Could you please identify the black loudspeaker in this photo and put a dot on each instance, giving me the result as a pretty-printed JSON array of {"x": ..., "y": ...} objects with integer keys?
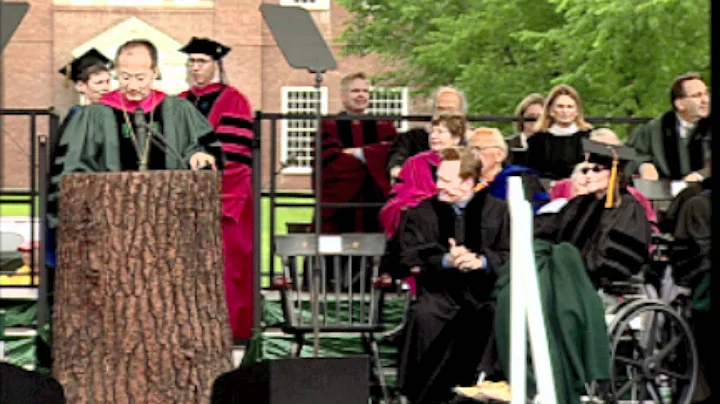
[{"x": 296, "y": 381}]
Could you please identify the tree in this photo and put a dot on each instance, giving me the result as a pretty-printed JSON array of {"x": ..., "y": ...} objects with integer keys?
[
  {"x": 140, "y": 313},
  {"x": 620, "y": 55}
]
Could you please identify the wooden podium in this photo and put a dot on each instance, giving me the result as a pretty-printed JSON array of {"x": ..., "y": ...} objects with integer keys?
[{"x": 140, "y": 313}]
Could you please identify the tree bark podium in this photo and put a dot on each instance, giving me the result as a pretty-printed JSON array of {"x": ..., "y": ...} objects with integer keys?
[{"x": 140, "y": 313}]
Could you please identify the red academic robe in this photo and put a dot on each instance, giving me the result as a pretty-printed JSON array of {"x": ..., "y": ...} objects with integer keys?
[
  {"x": 347, "y": 179},
  {"x": 230, "y": 114},
  {"x": 415, "y": 183}
]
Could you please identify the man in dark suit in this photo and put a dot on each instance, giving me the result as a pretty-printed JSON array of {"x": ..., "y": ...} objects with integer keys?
[{"x": 676, "y": 144}]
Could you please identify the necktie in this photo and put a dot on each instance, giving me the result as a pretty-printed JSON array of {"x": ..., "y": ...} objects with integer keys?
[{"x": 459, "y": 225}]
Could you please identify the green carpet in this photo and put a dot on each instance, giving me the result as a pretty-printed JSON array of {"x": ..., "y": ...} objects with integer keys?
[{"x": 272, "y": 343}]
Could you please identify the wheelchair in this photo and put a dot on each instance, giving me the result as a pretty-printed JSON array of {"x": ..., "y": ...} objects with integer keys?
[{"x": 653, "y": 351}]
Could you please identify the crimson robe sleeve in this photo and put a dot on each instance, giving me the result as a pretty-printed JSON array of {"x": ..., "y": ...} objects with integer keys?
[{"x": 234, "y": 127}]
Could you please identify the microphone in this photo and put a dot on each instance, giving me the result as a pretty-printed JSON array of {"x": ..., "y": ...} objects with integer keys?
[
  {"x": 158, "y": 139},
  {"x": 142, "y": 133}
]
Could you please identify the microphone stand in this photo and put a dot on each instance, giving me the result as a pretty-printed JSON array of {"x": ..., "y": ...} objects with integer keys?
[
  {"x": 142, "y": 133},
  {"x": 316, "y": 270},
  {"x": 158, "y": 139}
]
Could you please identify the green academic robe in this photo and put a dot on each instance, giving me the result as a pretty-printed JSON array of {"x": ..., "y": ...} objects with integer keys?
[
  {"x": 658, "y": 142},
  {"x": 574, "y": 319},
  {"x": 92, "y": 144}
]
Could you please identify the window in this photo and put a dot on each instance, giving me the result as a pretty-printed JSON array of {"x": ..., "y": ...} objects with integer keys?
[
  {"x": 307, "y": 4},
  {"x": 389, "y": 101},
  {"x": 298, "y": 134}
]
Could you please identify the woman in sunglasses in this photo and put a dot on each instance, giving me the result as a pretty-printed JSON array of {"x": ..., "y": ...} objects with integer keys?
[
  {"x": 604, "y": 221},
  {"x": 584, "y": 172}
]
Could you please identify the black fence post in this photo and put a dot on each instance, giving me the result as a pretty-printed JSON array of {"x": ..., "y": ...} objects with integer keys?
[{"x": 257, "y": 218}]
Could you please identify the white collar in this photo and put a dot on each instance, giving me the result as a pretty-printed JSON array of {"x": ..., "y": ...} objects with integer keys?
[{"x": 561, "y": 131}]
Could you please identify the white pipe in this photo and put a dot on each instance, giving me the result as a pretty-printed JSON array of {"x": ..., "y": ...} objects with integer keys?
[
  {"x": 524, "y": 289},
  {"x": 518, "y": 331}
]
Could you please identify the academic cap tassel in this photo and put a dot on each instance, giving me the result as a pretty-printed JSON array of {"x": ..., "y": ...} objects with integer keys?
[{"x": 612, "y": 187}]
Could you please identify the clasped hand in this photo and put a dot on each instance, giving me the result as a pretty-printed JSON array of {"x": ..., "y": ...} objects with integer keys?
[{"x": 463, "y": 259}]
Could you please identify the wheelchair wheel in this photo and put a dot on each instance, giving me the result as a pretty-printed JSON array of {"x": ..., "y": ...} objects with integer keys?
[{"x": 653, "y": 357}]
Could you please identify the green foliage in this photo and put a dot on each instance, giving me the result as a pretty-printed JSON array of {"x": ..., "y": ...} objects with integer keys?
[{"x": 621, "y": 55}]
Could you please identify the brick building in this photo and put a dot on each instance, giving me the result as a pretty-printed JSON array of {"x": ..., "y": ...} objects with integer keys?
[{"x": 55, "y": 31}]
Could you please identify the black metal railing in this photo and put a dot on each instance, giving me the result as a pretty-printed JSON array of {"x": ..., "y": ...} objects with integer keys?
[{"x": 34, "y": 197}]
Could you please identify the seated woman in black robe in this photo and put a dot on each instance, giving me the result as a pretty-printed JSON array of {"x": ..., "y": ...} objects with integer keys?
[
  {"x": 608, "y": 225},
  {"x": 555, "y": 149}
]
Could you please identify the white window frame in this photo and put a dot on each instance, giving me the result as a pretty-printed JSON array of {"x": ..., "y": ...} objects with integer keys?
[
  {"x": 404, "y": 125},
  {"x": 286, "y": 91},
  {"x": 313, "y": 5}
]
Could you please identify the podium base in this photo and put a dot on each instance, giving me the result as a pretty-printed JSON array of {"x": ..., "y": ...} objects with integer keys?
[{"x": 296, "y": 381}]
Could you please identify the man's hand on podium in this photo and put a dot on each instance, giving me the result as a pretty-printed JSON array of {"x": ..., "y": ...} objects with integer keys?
[{"x": 201, "y": 160}]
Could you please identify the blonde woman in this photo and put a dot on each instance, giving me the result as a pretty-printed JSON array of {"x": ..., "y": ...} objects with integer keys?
[{"x": 556, "y": 147}]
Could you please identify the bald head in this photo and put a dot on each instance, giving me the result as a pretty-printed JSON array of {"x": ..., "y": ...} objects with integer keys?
[
  {"x": 606, "y": 136},
  {"x": 449, "y": 99},
  {"x": 490, "y": 147}
]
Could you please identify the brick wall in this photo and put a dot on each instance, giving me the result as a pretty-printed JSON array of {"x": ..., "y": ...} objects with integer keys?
[{"x": 52, "y": 29}]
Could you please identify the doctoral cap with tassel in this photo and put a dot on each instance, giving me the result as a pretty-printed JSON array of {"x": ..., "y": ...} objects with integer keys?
[{"x": 613, "y": 157}]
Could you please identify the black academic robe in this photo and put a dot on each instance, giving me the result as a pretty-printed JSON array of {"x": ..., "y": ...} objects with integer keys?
[
  {"x": 450, "y": 322},
  {"x": 553, "y": 156},
  {"x": 691, "y": 258},
  {"x": 614, "y": 243},
  {"x": 406, "y": 145},
  {"x": 671, "y": 214},
  {"x": 693, "y": 241},
  {"x": 347, "y": 179},
  {"x": 515, "y": 141},
  {"x": 517, "y": 152},
  {"x": 20, "y": 386}
]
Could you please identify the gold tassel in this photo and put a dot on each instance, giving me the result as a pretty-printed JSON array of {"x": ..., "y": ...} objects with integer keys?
[
  {"x": 68, "y": 75},
  {"x": 609, "y": 202},
  {"x": 479, "y": 186}
]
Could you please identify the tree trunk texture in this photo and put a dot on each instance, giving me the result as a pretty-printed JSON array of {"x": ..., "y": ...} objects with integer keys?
[{"x": 140, "y": 313}]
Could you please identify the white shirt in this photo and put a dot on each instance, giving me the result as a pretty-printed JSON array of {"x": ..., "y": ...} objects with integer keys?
[
  {"x": 523, "y": 140},
  {"x": 684, "y": 128}
]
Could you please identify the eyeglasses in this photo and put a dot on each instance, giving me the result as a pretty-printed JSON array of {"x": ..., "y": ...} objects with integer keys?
[
  {"x": 201, "y": 62},
  {"x": 595, "y": 169},
  {"x": 697, "y": 95},
  {"x": 478, "y": 148}
]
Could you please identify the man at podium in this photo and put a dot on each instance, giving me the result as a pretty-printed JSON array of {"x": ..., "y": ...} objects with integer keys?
[{"x": 135, "y": 127}]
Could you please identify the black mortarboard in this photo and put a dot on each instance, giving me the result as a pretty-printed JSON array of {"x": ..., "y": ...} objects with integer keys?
[
  {"x": 602, "y": 153},
  {"x": 611, "y": 156},
  {"x": 206, "y": 46},
  {"x": 73, "y": 70}
]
